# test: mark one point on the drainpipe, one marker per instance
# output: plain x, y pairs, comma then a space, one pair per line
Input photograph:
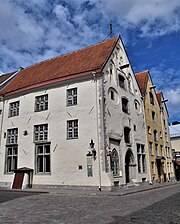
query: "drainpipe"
97, 125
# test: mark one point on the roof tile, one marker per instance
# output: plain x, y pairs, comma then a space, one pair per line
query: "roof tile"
79, 62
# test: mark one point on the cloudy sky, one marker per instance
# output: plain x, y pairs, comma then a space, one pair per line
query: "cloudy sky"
34, 30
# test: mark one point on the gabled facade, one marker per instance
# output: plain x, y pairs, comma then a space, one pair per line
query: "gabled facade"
76, 120
154, 129
166, 134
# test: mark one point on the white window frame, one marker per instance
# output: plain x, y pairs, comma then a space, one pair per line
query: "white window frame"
11, 158
40, 133
43, 157
41, 103
72, 129
141, 158
12, 136
72, 97
14, 109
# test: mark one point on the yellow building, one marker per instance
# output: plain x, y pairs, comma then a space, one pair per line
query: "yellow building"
166, 135
154, 129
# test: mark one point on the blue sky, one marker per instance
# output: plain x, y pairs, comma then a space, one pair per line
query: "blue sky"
34, 30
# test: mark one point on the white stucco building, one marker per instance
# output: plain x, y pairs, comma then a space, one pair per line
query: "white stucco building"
75, 120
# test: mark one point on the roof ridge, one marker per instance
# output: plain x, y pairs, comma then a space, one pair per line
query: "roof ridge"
72, 52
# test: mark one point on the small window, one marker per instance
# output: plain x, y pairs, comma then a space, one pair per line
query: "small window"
41, 132
151, 97
127, 134
135, 128
12, 136
149, 130
121, 81
156, 149
150, 148
72, 97
112, 95
41, 103
72, 129
14, 109
153, 116
125, 103
155, 135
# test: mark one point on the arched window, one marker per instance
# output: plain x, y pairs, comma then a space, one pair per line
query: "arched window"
115, 162
125, 106
155, 135
151, 97
121, 81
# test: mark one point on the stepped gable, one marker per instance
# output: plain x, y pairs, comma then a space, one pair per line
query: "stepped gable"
142, 78
76, 64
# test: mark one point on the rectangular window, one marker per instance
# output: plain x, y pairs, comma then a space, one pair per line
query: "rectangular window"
12, 136
72, 97
14, 109
43, 158
127, 134
41, 103
150, 148
11, 158
156, 149
72, 129
141, 158
41, 132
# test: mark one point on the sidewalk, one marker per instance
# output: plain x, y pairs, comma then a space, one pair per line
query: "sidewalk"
118, 192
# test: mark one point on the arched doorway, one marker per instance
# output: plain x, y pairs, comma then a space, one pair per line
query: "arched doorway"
115, 162
129, 166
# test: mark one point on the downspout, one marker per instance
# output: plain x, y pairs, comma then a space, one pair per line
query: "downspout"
97, 126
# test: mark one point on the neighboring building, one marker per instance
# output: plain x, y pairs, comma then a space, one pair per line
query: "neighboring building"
76, 120
155, 142
175, 143
166, 135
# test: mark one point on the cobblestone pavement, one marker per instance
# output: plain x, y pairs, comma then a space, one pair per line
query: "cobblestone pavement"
161, 205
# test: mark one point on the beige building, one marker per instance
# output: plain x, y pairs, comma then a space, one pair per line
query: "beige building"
154, 129
166, 135
75, 120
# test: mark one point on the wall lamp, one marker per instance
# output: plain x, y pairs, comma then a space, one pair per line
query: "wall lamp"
153, 87
163, 101
93, 151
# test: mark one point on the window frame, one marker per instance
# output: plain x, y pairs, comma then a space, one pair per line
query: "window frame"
74, 129
14, 109
141, 158
41, 157
41, 103
11, 159
41, 131
72, 95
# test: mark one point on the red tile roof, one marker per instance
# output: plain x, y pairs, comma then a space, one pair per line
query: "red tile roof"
4, 77
71, 65
142, 78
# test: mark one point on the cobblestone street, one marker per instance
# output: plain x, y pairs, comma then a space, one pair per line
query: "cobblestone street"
160, 205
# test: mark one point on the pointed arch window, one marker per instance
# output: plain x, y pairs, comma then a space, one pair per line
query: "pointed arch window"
115, 162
